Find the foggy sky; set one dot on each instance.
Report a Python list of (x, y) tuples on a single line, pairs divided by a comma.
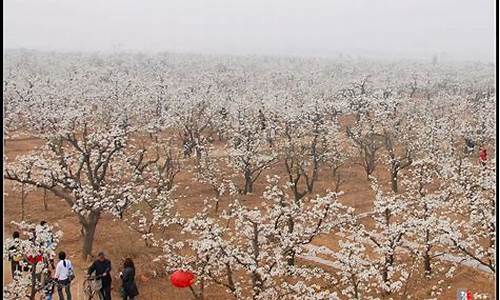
[(455, 29)]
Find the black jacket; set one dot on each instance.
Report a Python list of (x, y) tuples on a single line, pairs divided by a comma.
[(128, 282), (101, 267)]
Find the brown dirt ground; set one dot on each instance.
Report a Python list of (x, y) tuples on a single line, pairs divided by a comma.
[(118, 241)]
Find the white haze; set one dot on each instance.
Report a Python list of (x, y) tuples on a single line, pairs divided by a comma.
[(450, 29)]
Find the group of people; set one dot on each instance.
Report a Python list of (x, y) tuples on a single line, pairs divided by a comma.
[(60, 276), (470, 145), (20, 262), (40, 265), (101, 269)]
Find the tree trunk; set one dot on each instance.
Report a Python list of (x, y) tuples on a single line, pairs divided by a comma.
[(33, 282), (197, 295), (147, 240), (385, 278), (248, 184), (388, 261), (198, 152), (310, 182), (296, 194), (230, 281), (89, 233), (427, 263), (355, 286), (36, 281), (291, 254), (217, 205), (45, 206), (369, 153), (220, 135), (201, 294), (394, 181), (427, 256), (23, 197), (255, 277), (315, 167), (369, 167), (291, 258)]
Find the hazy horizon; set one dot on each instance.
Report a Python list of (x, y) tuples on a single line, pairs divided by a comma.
[(415, 29)]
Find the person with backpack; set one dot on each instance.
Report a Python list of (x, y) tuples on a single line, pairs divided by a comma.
[(102, 268), (64, 275), (129, 289)]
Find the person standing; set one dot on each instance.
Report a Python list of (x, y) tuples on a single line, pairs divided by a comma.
[(102, 268), (469, 145), (129, 287), (64, 271), (14, 256), (483, 156)]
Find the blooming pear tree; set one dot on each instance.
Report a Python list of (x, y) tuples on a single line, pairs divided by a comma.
[(259, 246), (86, 165), (155, 167), (305, 148), (355, 269), (209, 172), (429, 202), (366, 141), (109, 130), (472, 233), (248, 153), (194, 114), (387, 240), (397, 124)]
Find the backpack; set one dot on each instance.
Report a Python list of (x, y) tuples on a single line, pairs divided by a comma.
[(71, 275), (71, 272)]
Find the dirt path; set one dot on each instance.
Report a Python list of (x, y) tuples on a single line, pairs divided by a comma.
[(446, 257), (467, 262)]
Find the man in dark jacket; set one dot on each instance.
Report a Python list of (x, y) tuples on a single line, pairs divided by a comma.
[(102, 267)]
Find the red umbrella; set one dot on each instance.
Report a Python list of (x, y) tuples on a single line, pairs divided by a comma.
[(182, 279)]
